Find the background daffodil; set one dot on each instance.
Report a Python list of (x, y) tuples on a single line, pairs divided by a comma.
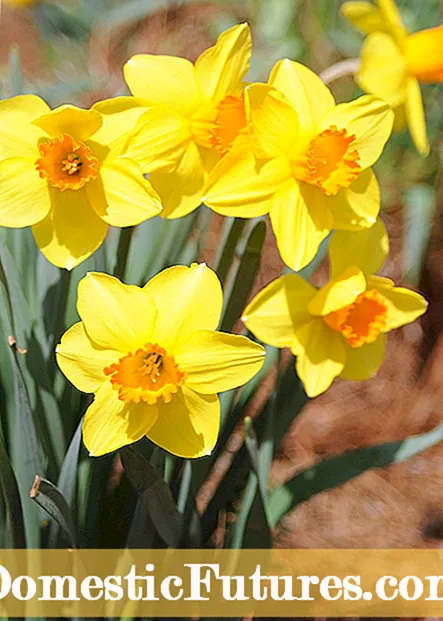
[(196, 111), (338, 330), (154, 360), (393, 62), (310, 162), (61, 173)]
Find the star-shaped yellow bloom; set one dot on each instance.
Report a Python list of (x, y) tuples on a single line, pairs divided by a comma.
[(393, 62), (307, 162), (338, 330), (196, 111), (154, 360), (61, 172)]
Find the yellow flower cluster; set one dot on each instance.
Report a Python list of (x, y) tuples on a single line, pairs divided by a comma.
[(393, 62), (193, 133)]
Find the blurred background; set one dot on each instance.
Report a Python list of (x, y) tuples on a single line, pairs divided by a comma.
[(73, 51)]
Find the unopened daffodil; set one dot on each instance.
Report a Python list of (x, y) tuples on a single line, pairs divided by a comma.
[(307, 162), (195, 113), (393, 62), (61, 172), (340, 329), (154, 360)]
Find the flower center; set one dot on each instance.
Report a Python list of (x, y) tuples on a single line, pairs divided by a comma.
[(217, 127), (360, 322), (67, 163), (329, 163), (146, 375)]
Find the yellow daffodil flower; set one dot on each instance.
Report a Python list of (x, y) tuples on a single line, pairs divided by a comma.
[(154, 360), (309, 165), (393, 62), (338, 330), (196, 111), (61, 173)]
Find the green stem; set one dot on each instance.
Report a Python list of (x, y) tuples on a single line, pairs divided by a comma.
[(124, 245), (65, 284), (228, 252)]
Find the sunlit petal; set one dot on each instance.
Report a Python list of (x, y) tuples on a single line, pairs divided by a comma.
[(82, 361), (366, 249), (215, 361), (187, 299), (115, 316), (121, 196), (404, 305), (181, 189), (339, 292), (321, 356), (78, 123), (219, 71), (367, 118), (244, 186), (383, 69), (274, 122), (163, 80), (300, 223), (24, 197), (110, 423), (364, 362), (306, 92), (415, 117), (189, 425), (278, 309)]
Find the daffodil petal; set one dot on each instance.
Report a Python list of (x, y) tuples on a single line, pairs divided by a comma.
[(382, 70), (339, 292), (219, 71), (240, 185), (82, 361), (415, 117), (18, 137), (119, 117), (274, 122), (276, 311), (305, 91), (163, 80), (404, 305), (78, 123), (30, 106), (321, 356), (110, 423), (424, 52), (115, 315), (121, 196), (187, 299), (366, 249), (24, 197), (300, 223), (364, 16), (188, 426), (159, 139), (364, 362), (367, 118), (391, 17), (215, 361), (71, 231), (358, 206), (181, 189)]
